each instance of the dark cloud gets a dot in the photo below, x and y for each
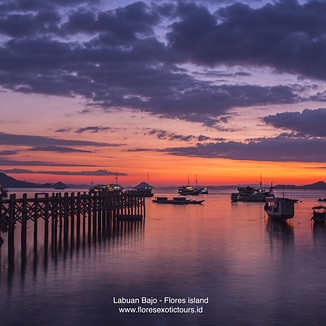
(308, 122)
(221, 74)
(121, 63)
(92, 129)
(22, 25)
(140, 150)
(57, 149)
(100, 172)
(202, 138)
(116, 26)
(105, 76)
(35, 5)
(63, 130)
(163, 134)
(284, 35)
(27, 140)
(8, 152)
(7, 162)
(279, 149)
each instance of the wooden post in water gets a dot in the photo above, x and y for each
(55, 218)
(65, 221)
(94, 208)
(143, 212)
(53, 215)
(46, 221)
(72, 217)
(78, 209)
(139, 203)
(35, 220)
(11, 227)
(99, 214)
(24, 227)
(84, 217)
(89, 215)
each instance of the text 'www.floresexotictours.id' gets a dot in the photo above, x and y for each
(165, 305)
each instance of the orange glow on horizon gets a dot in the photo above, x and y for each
(174, 171)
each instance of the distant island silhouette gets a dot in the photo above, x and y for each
(10, 182)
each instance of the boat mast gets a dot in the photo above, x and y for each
(271, 188)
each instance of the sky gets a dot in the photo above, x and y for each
(162, 91)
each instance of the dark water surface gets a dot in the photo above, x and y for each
(247, 270)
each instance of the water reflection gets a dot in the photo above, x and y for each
(251, 268)
(319, 234)
(280, 231)
(61, 245)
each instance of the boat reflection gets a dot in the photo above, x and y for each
(281, 231)
(319, 234)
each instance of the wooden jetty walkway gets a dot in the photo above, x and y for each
(69, 213)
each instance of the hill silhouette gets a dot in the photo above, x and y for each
(10, 182)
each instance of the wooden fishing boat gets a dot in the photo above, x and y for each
(280, 207)
(319, 214)
(176, 201)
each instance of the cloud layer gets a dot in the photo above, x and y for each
(267, 149)
(165, 58)
(121, 58)
(307, 123)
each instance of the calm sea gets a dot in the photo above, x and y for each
(219, 263)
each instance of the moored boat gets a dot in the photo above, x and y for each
(188, 191)
(203, 191)
(176, 201)
(3, 191)
(114, 188)
(280, 207)
(192, 191)
(319, 214)
(250, 194)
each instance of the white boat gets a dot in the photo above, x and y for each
(190, 191)
(280, 207)
(250, 194)
(319, 214)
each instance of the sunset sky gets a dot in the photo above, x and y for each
(228, 90)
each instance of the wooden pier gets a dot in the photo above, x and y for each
(66, 214)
